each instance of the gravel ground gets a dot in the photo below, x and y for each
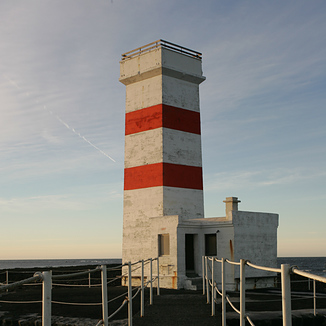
(172, 307)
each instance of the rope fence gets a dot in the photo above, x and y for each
(210, 288)
(46, 279)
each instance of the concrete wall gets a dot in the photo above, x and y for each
(255, 239)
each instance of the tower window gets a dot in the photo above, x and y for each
(163, 244)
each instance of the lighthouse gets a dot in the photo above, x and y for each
(163, 209)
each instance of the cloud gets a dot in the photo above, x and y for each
(256, 179)
(77, 200)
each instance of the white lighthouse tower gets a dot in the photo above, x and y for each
(163, 211)
(163, 162)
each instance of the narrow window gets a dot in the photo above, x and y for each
(163, 244)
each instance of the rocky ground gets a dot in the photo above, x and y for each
(173, 307)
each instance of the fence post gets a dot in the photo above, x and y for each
(213, 289)
(46, 298)
(7, 279)
(158, 276)
(142, 294)
(223, 292)
(207, 288)
(286, 294)
(203, 272)
(129, 295)
(314, 285)
(151, 281)
(105, 310)
(89, 280)
(242, 293)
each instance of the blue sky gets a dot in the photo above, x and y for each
(263, 112)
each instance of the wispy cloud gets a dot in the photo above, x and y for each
(257, 179)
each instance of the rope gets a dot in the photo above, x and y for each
(136, 293)
(295, 270)
(217, 290)
(232, 262)
(63, 276)
(250, 322)
(231, 304)
(77, 303)
(119, 296)
(119, 277)
(263, 268)
(76, 285)
(123, 303)
(3, 301)
(14, 285)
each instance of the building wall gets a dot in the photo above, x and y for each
(255, 239)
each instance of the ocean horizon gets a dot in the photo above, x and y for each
(46, 263)
(314, 265)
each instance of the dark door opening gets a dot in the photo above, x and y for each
(190, 253)
(210, 245)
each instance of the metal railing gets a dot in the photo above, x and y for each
(46, 278)
(161, 43)
(210, 287)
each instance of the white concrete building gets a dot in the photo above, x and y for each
(163, 184)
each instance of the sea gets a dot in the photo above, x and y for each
(313, 265)
(46, 263)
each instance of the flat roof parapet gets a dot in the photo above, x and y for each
(158, 44)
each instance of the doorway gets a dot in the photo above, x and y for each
(210, 245)
(190, 253)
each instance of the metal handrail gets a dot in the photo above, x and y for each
(161, 43)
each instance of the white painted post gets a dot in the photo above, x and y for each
(129, 295)
(89, 280)
(158, 276)
(213, 289)
(105, 309)
(151, 281)
(207, 288)
(203, 272)
(142, 294)
(223, 292)
(314, 285)
(242, 293)
(7, 279)
(286, 294)
(46, 298)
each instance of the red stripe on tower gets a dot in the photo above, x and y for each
(163, 174)
(162, 115)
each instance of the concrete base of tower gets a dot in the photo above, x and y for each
(181, 243)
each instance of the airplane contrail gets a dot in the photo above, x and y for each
(78, 134)
(64, 123)
(11, 82)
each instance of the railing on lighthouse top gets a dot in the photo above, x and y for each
(164, 44)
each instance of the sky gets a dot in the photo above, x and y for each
(263, 115)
